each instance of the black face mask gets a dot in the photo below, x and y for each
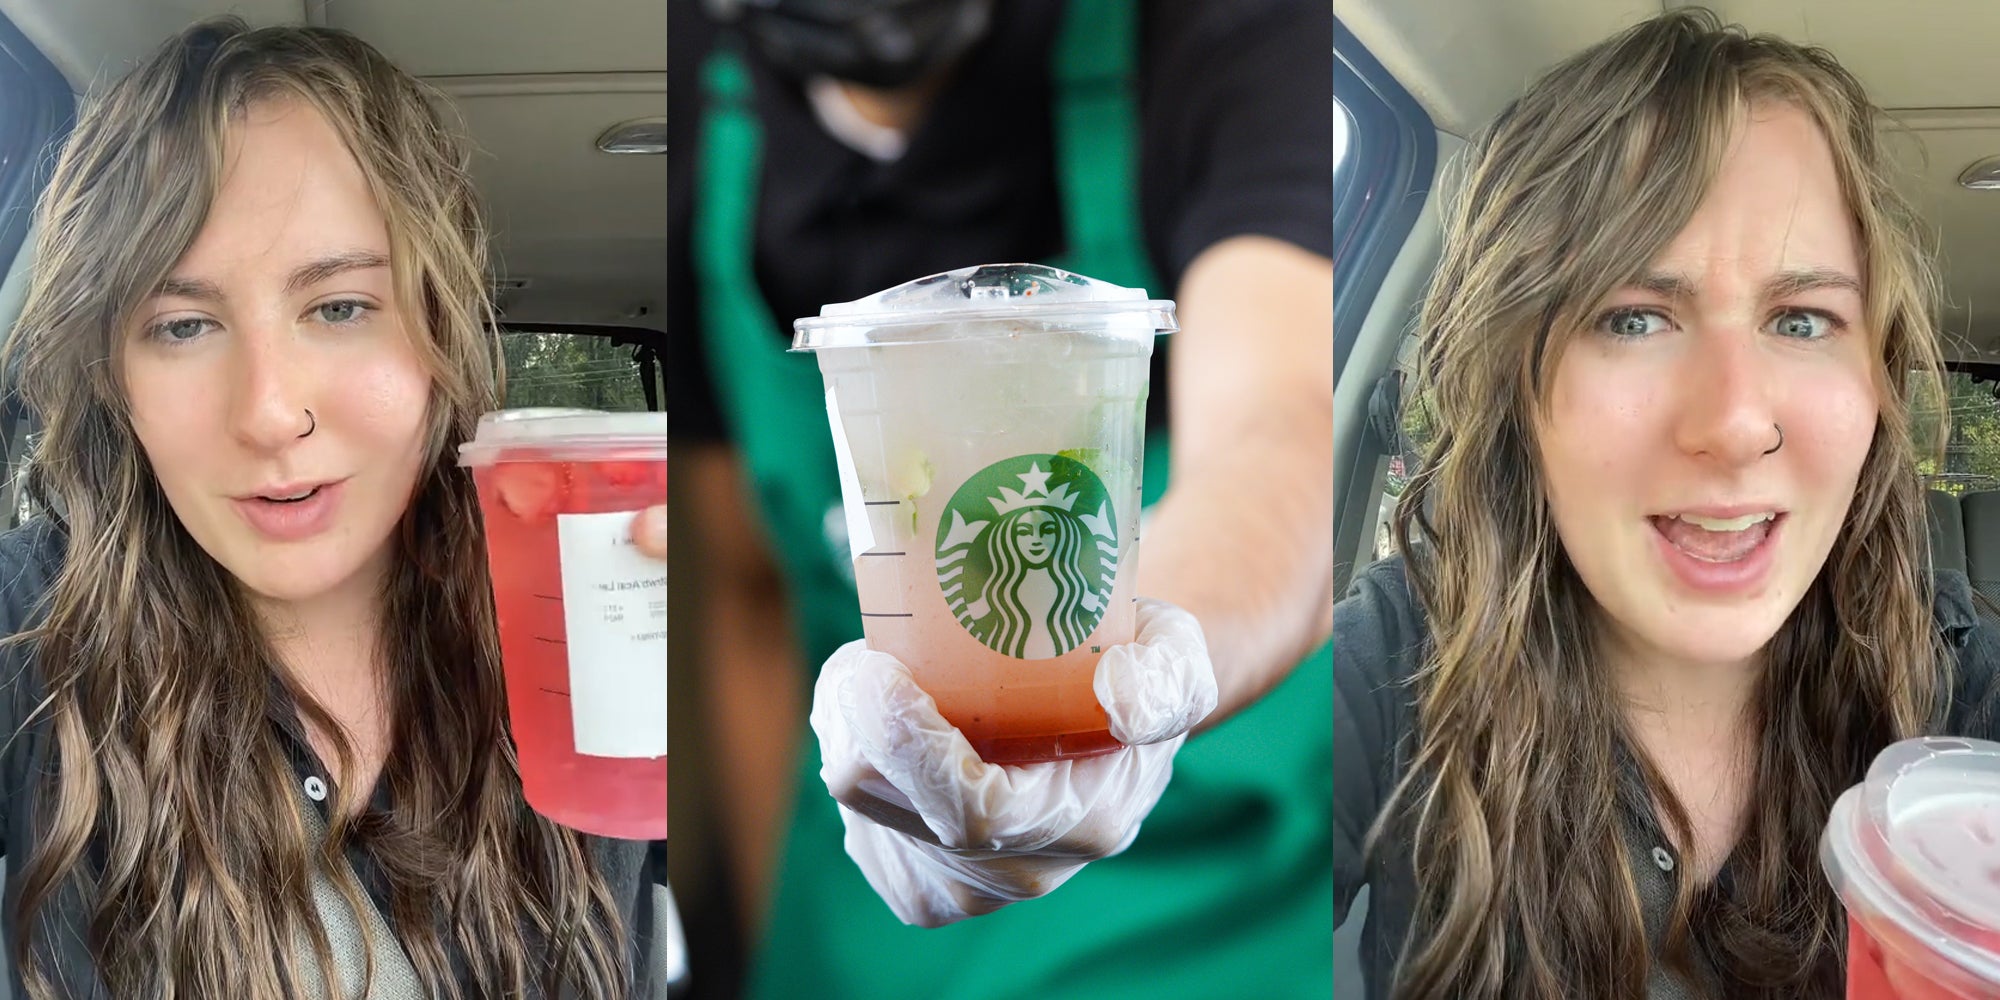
(875, 43)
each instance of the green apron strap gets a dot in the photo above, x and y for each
(773, 401)
(1097, 141)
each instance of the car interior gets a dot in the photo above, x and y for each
(564, 104)
(578, 232)
(1416, 78)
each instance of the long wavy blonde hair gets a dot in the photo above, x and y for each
(172, 811)
(1513, 800)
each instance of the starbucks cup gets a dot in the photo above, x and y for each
(1914, 851)
(988, 425)
(583, 615)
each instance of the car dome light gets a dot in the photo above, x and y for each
(643, 135)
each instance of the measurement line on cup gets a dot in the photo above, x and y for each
(554, 691)
(884, 553)
(880, 503)
(887, 614)
(555, 642)
(550, 597)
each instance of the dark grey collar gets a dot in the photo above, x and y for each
(1953, 607)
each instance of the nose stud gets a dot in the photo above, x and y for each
(1774, 448)
(312, 424)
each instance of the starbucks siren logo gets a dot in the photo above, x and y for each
(1026, 555)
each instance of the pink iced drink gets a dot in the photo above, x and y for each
(1914, 852)
(582, 620)
(988, 427)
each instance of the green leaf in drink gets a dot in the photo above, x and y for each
(912, 478)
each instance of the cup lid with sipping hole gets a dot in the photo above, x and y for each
(987, 300)
(554, 430)
(1917, 844)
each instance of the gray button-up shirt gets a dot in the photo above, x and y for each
(634, 870)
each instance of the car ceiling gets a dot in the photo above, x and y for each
(535, 82)
(1930, 63)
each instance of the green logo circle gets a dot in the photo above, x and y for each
(1026, 554)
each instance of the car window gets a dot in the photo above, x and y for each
(1384, 151)
(1404, 453)
(35, 113)
(616, 370)
(1969, 460)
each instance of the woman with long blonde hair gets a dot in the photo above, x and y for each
(1665, 586)
(253, 680)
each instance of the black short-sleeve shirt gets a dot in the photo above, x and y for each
(30, 557)
(1236, 139)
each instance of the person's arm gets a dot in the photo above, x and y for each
(1237, 184)
(752, 690)
(1243, 537)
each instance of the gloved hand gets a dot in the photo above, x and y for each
(942, 835)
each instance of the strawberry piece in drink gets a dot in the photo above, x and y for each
(626, 474)
(531, 491)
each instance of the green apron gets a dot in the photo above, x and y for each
(1229, 889)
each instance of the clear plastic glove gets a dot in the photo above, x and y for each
(942, 835)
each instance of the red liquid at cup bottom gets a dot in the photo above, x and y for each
(1021, 712)
(608, 796)
(1878, 972)
(1012, 711)
(1034, 749)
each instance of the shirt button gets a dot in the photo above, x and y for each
(1663, 859)
(316, 789)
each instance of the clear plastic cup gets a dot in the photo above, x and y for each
(582, 615)
(989, 424)
(1914, 852)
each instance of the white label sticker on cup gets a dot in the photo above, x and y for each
(615, 622)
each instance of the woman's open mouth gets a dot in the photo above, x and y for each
(1719, 553)
(1716, 539)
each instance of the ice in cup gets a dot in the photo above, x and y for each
(1914, 852)
(582, 615)
(988, 425)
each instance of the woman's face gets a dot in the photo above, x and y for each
(1035, 536)
(1692, 528)
(273, 364)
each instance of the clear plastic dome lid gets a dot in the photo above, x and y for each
(1918, 842)
(563, 428)
(985, 301)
